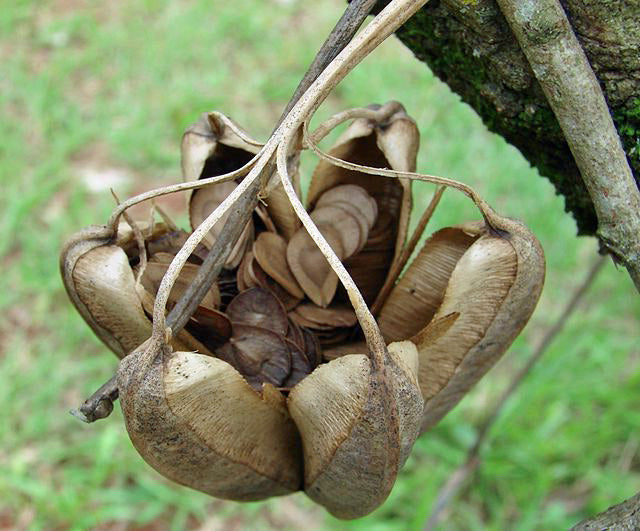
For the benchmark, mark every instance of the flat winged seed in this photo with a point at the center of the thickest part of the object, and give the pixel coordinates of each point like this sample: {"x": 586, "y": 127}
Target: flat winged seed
{"x": 418, "y": 294}
{"x": 196, "y": 421}
{"x": 263, "y": 356}
{"x": 494, "y": 288}
{"x": 270, "y": 250}
{"x": 351, "y": 236}
{"x": 155, "y": 271}
{"x": 266, "y": 282}
{"x": 333, "y": 316}
{"x": 216, "y": 323}
{"x": 357, "y": 426}
{"x": 355, "y": 197}
{"x": 300, "y": 366}
{"x": 258, "y": 307}
{"x": 310, "y": 267}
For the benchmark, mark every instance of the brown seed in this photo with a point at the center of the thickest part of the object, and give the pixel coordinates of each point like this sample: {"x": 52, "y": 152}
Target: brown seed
{"x": 270, "y": 250}
{"x": 258, "y": 307}
{"x": 309, "y": 266}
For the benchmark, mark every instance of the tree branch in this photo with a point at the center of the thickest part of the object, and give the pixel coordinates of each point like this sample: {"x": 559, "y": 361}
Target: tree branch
{"x": 565, "y": 75}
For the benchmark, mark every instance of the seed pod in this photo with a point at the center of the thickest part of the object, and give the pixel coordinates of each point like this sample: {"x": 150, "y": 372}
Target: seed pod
{"x": 358, "y": 423}
{"x": 491, "y": 278}
{"x": 100, "y": 283}
{"x": 391, "y": 144}
{"x": 196, "y": 421}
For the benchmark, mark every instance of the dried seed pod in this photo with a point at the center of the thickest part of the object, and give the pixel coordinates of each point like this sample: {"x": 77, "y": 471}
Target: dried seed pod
{"x": 357, "y": 423}
{"x": 214, "y": 145}
{"x": 196, "y": 421}
{"x": 100, "y": 283}
{"x": 418, "y": 295}
{"x": 390, "y": 144}
{"x": 491, "y": 279}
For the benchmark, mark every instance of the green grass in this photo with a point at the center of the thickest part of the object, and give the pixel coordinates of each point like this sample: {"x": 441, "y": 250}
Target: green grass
{"x": 91, "y": 87}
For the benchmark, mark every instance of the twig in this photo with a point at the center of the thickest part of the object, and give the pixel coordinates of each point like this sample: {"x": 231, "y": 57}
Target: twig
{"x": 100, "y": 404}
{"x": 563, "y": 71}
{"x": 461, "y": 474}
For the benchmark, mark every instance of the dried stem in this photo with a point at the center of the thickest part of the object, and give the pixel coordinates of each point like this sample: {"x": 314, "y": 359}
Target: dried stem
{"x": 489, "y": 214}
{"x": 565, "y": 75}
{"x": 460, "y": 475}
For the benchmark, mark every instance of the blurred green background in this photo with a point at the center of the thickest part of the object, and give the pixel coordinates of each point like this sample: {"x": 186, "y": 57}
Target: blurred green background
{"x": 96, "y": 95}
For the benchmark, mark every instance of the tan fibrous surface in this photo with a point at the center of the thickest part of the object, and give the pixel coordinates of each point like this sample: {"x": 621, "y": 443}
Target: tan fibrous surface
{"x": 195, "y": 420}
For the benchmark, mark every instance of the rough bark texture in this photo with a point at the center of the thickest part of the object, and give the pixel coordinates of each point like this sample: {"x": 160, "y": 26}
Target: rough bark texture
{"x": 469, "y": 45}
{"x": 625, "y": 516}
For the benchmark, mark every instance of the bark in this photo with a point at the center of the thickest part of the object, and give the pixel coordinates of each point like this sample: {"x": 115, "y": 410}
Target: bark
{"x": 469, "y": 45}
{"x": 625, "y": 516}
